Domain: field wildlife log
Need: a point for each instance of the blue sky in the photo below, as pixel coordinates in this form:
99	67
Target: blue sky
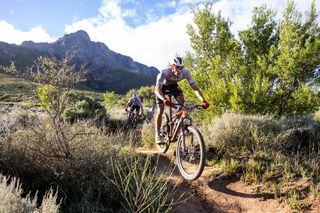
150	32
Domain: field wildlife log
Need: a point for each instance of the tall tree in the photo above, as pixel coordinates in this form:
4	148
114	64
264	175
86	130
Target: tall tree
296	59
216	59
268	71
257	41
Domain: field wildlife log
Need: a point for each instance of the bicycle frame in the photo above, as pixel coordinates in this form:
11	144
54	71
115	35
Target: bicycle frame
175	125
190	149
132	121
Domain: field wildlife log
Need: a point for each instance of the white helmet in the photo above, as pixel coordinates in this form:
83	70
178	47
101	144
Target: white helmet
178	61
134	95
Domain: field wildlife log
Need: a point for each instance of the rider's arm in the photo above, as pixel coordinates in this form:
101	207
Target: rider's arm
194	86
198	92
126	107
160	80
141	106
158	92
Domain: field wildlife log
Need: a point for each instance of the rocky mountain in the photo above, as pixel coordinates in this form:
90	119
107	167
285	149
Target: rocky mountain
107	70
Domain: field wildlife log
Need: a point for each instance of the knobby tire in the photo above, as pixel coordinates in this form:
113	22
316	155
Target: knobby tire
183	157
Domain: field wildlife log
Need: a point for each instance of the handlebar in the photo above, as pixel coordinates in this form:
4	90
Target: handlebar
188	106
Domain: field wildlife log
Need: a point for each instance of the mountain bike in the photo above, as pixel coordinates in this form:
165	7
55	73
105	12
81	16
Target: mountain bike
131	122
190	149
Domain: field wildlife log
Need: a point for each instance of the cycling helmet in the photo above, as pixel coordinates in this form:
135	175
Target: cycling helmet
178	61
134	95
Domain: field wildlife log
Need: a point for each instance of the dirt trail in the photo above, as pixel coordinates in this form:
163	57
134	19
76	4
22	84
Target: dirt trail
219	195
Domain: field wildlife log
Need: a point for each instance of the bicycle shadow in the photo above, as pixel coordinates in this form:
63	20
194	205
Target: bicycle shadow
221	185
166	165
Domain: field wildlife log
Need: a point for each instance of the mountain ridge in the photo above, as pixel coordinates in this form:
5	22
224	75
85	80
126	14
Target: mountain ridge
107	70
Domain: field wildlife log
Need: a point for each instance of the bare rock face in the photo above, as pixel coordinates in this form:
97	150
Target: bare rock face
104	65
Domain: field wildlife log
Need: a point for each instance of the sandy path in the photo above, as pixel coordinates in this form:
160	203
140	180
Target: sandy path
219	195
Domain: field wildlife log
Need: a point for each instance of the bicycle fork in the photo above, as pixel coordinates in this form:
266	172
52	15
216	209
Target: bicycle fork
187	148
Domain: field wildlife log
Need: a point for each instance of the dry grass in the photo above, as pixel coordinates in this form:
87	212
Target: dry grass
12	199
276	152
74	159
148	131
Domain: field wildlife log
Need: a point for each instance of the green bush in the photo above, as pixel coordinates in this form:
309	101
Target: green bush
81	107
141	187
147	138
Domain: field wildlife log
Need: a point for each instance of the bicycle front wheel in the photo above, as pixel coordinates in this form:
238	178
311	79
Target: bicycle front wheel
190	153
127	126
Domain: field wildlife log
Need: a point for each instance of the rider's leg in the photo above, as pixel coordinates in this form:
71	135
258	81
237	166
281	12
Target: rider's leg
180	99
130	112
137	112
158	121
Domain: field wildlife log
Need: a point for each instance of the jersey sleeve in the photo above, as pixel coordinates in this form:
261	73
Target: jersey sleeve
160	78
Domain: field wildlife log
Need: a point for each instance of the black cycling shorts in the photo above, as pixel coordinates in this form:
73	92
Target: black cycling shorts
172	89
135	107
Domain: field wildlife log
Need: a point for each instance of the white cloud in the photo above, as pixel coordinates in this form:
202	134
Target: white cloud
152	44
240	12
157	41
10	34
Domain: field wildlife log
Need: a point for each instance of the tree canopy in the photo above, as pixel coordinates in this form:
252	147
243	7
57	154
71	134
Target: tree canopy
268	68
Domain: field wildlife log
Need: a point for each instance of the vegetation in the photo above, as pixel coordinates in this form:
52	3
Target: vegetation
73	158
141	190
262	149
12	199
81	107
263	126
270	70
15	90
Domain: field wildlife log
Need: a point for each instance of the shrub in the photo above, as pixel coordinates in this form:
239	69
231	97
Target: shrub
147	138
81	107
141	188
229	167
111	99
12	200
244	135
238	135
41	161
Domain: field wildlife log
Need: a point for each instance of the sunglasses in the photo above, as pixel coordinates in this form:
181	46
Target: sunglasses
179	67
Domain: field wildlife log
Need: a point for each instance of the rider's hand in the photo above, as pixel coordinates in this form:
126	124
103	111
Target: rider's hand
205	104
126	109
167	102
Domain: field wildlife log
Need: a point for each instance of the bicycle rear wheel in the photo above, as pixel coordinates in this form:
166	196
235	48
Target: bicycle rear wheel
164	134
190	153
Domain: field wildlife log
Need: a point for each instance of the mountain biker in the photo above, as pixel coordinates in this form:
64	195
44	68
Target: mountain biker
167	80
135	104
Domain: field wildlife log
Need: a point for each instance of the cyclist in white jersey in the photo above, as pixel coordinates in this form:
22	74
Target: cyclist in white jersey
135	104
167	81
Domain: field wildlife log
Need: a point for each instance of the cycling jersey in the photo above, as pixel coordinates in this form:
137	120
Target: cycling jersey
167	77
134	102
